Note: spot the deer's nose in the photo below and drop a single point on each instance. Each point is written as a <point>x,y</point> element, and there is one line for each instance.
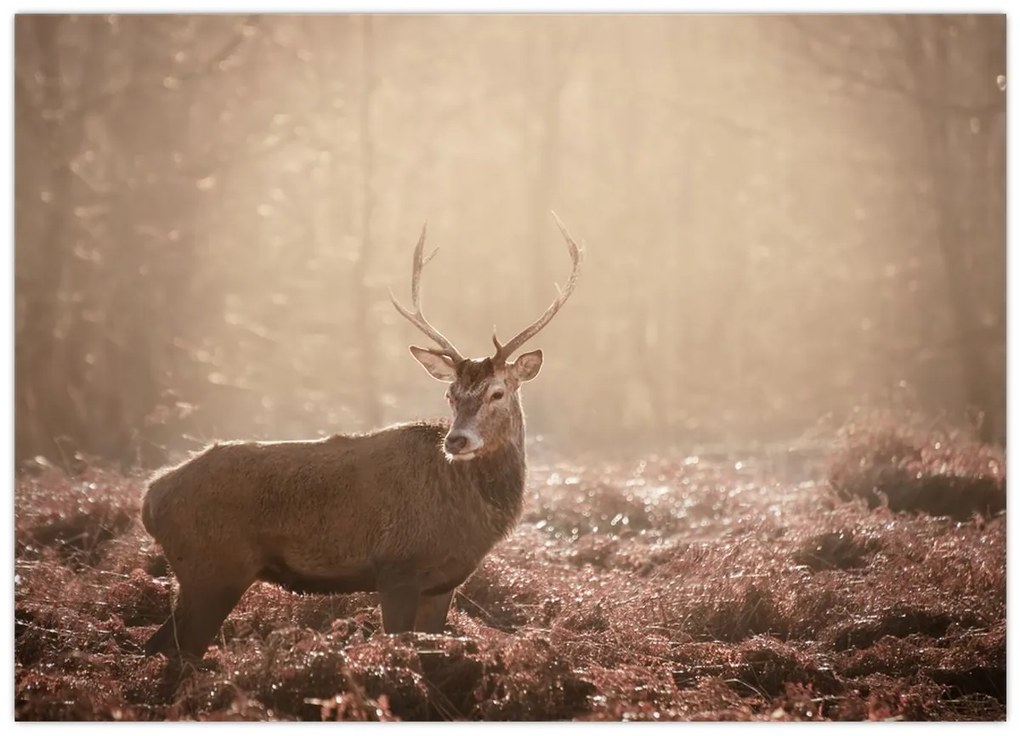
<point>456,442</point>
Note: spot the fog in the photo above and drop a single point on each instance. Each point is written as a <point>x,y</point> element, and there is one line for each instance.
<point>788,221</point>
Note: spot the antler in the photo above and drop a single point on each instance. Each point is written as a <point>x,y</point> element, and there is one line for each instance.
<point>577,256</point>
<point>416,318</point>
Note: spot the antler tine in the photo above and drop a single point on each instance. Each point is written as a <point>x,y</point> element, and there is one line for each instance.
<point>416,317</point>
<point>577,257</point>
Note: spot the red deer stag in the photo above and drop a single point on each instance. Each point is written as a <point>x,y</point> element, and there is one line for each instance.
<point>409,511</point>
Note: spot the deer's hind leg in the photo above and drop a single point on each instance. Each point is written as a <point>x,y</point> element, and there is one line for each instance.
<point>197,616</point>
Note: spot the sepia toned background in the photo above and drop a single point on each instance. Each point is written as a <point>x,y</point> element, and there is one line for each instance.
<point>786,218</point>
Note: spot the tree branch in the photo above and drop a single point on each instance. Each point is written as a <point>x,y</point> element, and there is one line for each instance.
<point>889,84</point>
<point>211,65</point>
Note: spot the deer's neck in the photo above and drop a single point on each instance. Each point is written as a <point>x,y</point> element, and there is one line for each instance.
<point>500,475</point>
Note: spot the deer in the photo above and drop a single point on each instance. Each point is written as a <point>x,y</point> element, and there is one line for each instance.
<point>408,511</point>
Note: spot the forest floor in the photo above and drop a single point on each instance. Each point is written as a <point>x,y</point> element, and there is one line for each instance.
<point>873,587</point>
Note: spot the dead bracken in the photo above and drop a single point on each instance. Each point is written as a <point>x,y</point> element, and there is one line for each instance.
<point>617,598</point>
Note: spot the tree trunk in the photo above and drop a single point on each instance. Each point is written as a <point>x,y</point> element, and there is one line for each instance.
<point>952,236</point>
<point>371,408</point>
<point>40,401</point>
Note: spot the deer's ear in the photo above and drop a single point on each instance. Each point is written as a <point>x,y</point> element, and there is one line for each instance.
<point>527,366</point>
<point>439,367</point>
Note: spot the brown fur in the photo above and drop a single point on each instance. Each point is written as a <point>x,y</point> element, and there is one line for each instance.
<point>386,511</point>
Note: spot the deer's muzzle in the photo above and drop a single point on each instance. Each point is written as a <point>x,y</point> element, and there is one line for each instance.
<point>462,444</point>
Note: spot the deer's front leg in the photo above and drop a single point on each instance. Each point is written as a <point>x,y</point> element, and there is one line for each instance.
<point>398,595</point>
<point>432,611</point>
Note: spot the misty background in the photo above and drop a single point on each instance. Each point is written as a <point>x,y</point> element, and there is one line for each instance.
<point>787,218</point>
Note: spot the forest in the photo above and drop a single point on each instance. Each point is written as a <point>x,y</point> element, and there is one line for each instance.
<point>767,445</point>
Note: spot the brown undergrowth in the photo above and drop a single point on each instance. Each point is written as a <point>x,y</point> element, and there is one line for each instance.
<point>663,589</point>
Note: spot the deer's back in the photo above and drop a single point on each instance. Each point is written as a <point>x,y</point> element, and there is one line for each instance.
<point>340,475</point>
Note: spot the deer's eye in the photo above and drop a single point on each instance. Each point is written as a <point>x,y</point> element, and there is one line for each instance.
<point>496,396</point>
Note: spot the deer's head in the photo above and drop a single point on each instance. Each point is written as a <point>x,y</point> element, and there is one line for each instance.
<point>483,392</point>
